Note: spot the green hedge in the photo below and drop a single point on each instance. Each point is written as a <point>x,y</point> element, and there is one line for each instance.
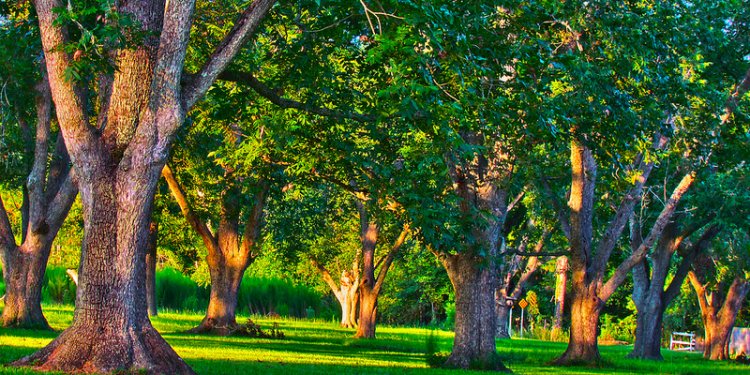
<point>263,296</point>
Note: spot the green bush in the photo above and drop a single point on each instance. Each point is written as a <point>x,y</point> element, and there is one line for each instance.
<point>620,330</point>
<point>262,296</point>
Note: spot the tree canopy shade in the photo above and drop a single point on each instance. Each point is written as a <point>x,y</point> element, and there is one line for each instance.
<point>118,122</point>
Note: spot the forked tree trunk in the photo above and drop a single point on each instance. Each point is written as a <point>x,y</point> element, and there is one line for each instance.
<point>153,236</point>
<point>111,330</point>
<point>24,275</point>
<point>583,347</point>
<point>474,283</point>
<point>348,299</point>
<point>226,276</point>
<point>719,310</point>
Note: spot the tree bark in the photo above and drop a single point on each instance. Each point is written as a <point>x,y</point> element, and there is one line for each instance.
<point>346,291</point>
<point>719,309</point>
<point>648,330</point>
<point>24,276</point>
<point>502,310</point>
<point>110,329</point>
<point>561,287</point>
<point>153,236</point>
<point>583,347</point>
<point>476,322</point>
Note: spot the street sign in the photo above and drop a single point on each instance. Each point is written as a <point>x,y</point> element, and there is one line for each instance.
<point>523,304</point>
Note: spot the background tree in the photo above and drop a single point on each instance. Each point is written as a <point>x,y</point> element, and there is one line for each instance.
<point>46,181</point>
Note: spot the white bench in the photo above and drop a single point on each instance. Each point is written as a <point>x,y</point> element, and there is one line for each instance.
<point>681,341</point>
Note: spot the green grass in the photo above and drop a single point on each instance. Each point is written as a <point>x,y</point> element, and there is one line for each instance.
<point>316,347</point>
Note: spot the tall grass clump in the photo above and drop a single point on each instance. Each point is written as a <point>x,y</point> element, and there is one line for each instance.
<point>264,296</point>
<point>260,296</point>
<point>58,288</point>
<point>176,291</point>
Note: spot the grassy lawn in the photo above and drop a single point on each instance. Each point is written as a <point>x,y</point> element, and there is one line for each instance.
<point>324,348</point>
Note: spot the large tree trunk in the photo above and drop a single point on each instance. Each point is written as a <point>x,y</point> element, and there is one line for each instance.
<point>648,331</point>
<point>111,330</point>
<point>24,275</point>
<point>474,283</point>
<point>151,269</point>
<point>719,310</point>
<point>226,277</point>
<point>584,327</point>
<point>368,312</point>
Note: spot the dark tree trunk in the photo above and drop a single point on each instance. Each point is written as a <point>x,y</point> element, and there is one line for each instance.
<point>368,296</point>
<point>474,283</point>
<point>24,275</point>
<point>502,310</point>
<point>111,330</point>
<point>151,269</point>
<point>368,312</point>
<point>648,331</point>
<point>583,345</point>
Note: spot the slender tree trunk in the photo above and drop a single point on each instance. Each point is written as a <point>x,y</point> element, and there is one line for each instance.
<point>151,269</point>
<point>348,296</point>
<point>24,275</point>
<point>502,310</point>
<point>111,330</point>
<point>561,286</point>
<point>584,326</point>
<point>476,322</point>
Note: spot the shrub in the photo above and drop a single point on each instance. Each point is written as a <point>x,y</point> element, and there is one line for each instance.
<point>177,291</point>
<point>621,330</point>
<point>58,287</point>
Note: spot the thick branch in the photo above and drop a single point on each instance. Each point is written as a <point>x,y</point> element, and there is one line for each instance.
<point>531,266</point>
<point>734,98</point>
<point>687,261</point>
<point>620,219</point>
<point>252,227</point>
<point>6,231</point>
<point>661,222</point>
<point>268,93</point>
<point>225,52</point>
<point>700,291</point>
<point>389,258</point>
<point>179,195</point>
<point>59,205</point>
<point>327,278</point>
<point>37,177</point>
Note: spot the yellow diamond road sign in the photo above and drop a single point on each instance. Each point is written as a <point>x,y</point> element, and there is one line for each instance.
<point>522,304</point>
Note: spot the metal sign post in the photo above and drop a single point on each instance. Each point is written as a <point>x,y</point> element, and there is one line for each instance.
<point>522,304</point>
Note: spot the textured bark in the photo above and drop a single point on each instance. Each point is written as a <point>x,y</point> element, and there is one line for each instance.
<point>24,274</point>
<point>719,309</point>
<point>47,198</point>
<point>153,236</point>
<point>229,251</point>
<point>475,329</point>
<point>651,294</point>
<point>590,291</point>
<point>118,158</point>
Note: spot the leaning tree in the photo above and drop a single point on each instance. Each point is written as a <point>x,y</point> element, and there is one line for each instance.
<point>120,93</point>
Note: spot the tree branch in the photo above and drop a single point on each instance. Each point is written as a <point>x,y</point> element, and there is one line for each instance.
<point>389,258</point>
<point>666,214</point>
<point>7,240</point>
<point>327,278</point>
<point>733,99</point>
<point>37,176</point>
<point>179,195</point>
<point>270,94</point>
<point>687,261</point>
<point>59,206</point>
<point>531,266</point>
<point>225,52</point>
<point>252,227</point>
<point>617,223</point>
<point>564,224</point>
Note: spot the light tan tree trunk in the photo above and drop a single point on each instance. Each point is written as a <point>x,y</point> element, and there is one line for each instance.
<point>561,287</point>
